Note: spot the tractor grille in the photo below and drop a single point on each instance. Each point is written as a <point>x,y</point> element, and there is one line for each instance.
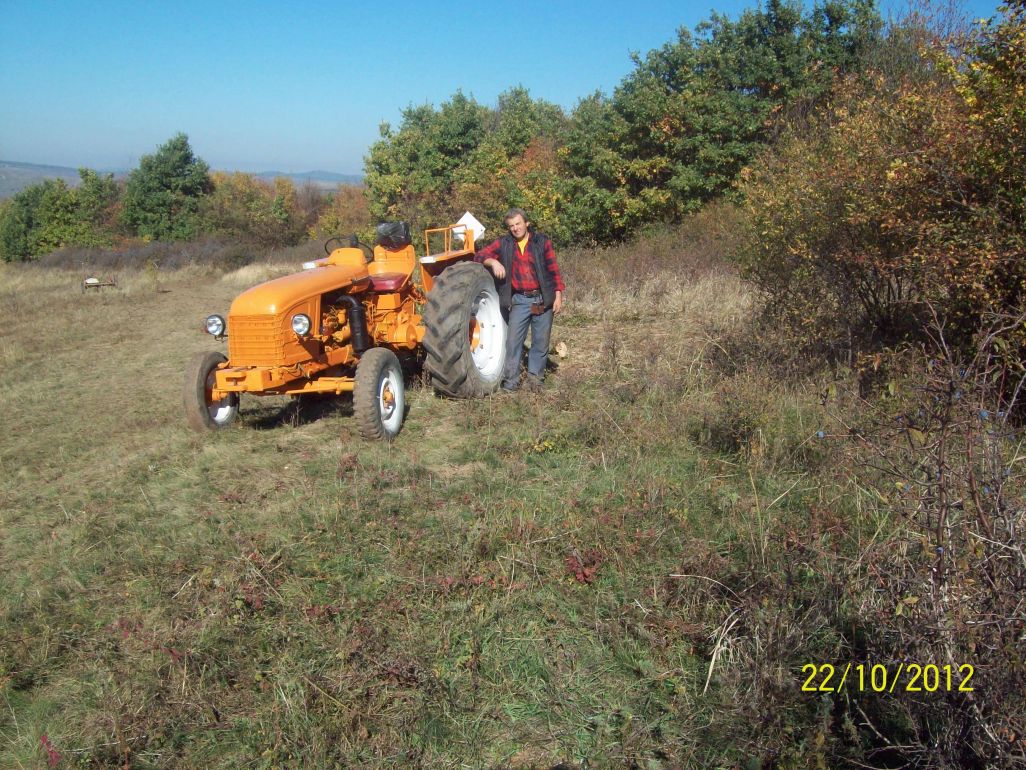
<point>255,340</point>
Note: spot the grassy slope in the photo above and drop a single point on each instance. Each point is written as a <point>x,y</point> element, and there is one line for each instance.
<point>286,593</point>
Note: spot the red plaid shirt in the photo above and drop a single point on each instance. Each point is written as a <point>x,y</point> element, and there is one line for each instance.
<point>522,274</point>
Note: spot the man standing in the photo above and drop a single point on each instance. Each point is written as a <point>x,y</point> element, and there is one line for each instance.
<point>530,291</point>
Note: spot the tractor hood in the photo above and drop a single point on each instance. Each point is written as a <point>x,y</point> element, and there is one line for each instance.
<point>281,294</point>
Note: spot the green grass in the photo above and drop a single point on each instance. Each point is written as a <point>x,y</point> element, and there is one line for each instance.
<point>285,594</point>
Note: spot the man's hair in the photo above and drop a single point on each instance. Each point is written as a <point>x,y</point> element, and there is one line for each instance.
<point>514,212</point>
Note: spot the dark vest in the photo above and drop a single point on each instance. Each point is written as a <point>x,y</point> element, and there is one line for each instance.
<point>536,249</point>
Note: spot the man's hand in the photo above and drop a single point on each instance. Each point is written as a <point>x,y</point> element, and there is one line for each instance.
<point>496,267</point>
<point>557,305</point>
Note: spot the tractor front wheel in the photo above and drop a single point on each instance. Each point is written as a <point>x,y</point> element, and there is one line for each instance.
<point>201,410</point>
<point>379,395</point>
<point>465,334</point>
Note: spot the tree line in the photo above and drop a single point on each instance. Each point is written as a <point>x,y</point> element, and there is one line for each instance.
<point>673,135</point>
<point>173,196</point>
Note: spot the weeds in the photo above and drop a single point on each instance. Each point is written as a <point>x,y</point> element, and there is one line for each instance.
<point>943,449</point>
<point>630,568</point>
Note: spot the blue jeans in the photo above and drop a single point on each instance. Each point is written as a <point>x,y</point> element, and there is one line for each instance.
<point>520,318</point>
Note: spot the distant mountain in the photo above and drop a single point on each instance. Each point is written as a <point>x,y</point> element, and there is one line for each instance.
<point>15,177</point>
<point>320,178</point>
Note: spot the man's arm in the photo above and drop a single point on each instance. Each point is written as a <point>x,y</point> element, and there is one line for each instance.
<point>489,257</point>
<point>553,268</point>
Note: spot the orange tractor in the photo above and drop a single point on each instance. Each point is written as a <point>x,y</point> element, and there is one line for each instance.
<point>347,322</point>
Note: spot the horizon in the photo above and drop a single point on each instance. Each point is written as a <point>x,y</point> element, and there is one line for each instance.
<point>312,98</point>
<point>123,170</point>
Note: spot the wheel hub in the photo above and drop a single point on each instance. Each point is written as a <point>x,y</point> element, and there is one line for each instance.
<point>387,399</point>
<point>487,334</point>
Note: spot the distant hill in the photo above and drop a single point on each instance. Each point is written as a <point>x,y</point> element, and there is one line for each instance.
<point>320,178</point>
<point>15,177</point>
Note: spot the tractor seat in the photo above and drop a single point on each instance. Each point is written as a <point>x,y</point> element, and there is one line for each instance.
<point>387,281</point>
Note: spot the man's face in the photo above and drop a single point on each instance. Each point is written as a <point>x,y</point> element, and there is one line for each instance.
<point>517,227</point>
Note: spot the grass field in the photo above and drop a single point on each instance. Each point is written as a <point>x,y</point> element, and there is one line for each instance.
<point>613,573</point>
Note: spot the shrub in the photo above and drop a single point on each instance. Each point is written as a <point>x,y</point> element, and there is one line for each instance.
<point>346,212</point>
<point>901,199</point>
<point>940,451</point>
<point>249,209</point>
<point>50,215</point>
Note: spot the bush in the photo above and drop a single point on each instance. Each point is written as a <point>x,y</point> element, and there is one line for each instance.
<point>939,449</point>
<point>50,215</point>
<point>904,198</point>
<point>251,210</point>
<point>346,213</point>
<point>898,542</point>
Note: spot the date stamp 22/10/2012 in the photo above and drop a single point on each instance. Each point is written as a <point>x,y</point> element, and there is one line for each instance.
<point>905,677</point>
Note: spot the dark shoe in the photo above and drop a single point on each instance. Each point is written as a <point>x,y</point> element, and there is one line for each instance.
<point>533,384</point>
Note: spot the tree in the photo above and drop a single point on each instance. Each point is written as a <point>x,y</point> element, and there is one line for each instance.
<point>97,200</point>
<point>463,156</point>
<point>346,213</point>
<point>162,196</point>
<point>18,221</point>
<point>244,207</point>
<point>675,134</point>
<point>410,171</point>
<point>50,215</point>
<point>693,113</point>
<point>901,201</point>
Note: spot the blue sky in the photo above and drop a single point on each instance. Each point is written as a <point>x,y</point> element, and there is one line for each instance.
<point>274,86</point>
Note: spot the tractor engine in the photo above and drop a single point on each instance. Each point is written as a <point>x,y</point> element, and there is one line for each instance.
<point>344,321</point>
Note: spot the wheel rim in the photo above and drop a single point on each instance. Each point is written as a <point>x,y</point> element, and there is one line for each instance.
<point>222,410</point>
<point>487,335</point>
<point>390,400</point>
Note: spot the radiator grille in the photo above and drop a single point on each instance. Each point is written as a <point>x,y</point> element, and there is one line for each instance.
<point>255,340</point>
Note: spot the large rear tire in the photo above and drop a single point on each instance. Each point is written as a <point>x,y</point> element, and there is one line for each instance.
<point>465,337</point>
<point>202,412</point>
<point>379,395</point>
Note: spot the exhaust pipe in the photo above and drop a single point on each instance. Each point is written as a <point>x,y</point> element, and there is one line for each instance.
<point>357,314</point>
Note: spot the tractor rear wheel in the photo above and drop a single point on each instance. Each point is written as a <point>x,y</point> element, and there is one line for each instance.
<point>202,412</point>
<point>465,336</point>
<point>379,395</point>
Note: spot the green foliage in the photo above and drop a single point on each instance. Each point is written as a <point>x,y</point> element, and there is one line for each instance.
<point>466,156</point>
<point>675,134</point>
<point>162,196</point>
<point>409,172</point>
<point>17,223</point>
<point>249,209</point>
<point>97,198</point>
<point>992,84</point>
<point>901,200</point>
<point>696,111</point>
<point>346,213</point>
<point>51,215</point>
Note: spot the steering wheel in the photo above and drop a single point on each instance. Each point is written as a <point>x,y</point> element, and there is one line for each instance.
<point>350,242</point>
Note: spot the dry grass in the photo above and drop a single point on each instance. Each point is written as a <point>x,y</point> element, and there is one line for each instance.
<point>629,569</point>
<point>284,593</point>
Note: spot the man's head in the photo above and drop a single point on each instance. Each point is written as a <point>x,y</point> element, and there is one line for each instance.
<point>516,223</point>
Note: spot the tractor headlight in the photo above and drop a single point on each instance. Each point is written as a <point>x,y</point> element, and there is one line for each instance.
<point>215,325</point>
<point>301,324</point>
